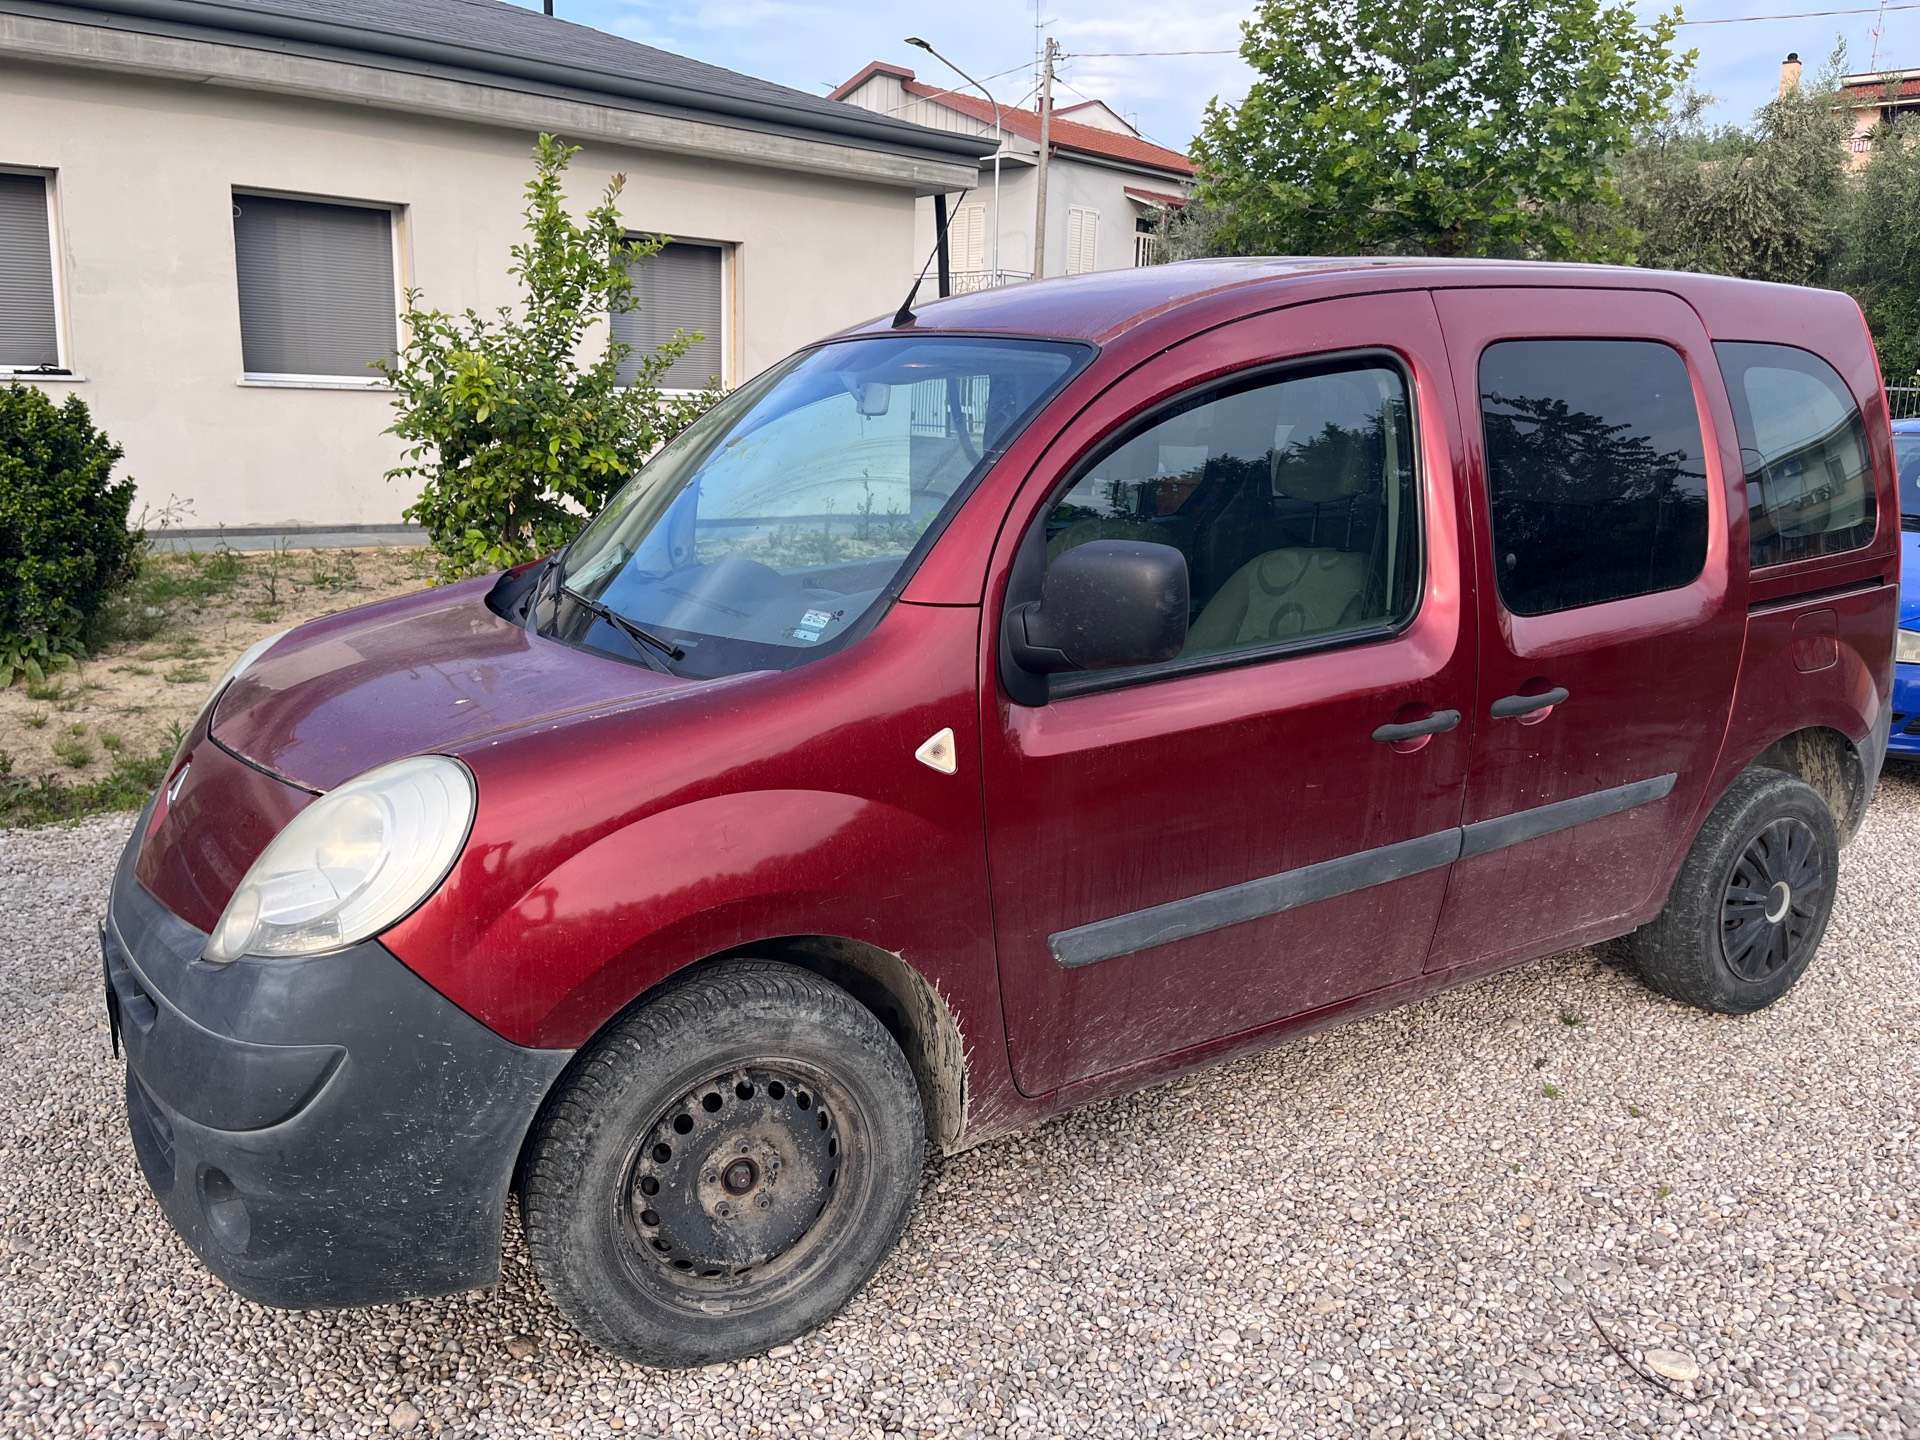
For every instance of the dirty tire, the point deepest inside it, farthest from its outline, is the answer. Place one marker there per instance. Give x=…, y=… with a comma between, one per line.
x=671, y=1183
x=1752, y=900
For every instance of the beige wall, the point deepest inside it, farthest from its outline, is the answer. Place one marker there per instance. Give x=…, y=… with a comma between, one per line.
x=145, y=170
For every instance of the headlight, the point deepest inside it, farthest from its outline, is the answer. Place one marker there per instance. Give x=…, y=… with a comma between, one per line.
x=352, y=863
x=1906, y=647
x=252, y=653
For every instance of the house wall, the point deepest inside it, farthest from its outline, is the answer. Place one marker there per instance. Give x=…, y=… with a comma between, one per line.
x=145, y=172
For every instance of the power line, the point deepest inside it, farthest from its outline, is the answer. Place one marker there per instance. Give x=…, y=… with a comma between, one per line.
x=1723, y=20
x=1798, y=15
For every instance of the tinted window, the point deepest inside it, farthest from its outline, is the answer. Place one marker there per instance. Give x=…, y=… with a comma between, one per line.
x=1809, y=483
x=1291, y=497
x=1595, y=469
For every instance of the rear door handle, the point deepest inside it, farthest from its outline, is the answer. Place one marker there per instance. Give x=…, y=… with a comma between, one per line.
x=1434, y=724
x=1509, y=706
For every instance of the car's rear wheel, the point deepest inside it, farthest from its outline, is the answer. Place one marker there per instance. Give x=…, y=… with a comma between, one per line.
x=724, y=1167
x=1751, y=902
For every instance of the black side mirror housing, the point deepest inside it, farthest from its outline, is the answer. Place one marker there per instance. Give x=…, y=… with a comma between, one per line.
x=1103, y=606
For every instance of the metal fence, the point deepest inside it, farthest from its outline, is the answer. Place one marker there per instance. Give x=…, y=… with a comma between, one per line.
x=1904, y=400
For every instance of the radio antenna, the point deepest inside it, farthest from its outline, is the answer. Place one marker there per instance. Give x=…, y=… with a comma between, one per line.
x=904, y=315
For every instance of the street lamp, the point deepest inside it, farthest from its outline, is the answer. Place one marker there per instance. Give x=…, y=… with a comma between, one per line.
x=999, y=139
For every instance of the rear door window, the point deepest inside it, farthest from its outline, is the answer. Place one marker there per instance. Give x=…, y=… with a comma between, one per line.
x=1809, y=483
x=1596, y=471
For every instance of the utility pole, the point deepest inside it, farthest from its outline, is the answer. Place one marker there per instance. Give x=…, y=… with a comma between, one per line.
x=1040, y=178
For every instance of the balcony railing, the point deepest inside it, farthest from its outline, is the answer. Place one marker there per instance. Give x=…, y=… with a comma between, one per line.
x=965, y=282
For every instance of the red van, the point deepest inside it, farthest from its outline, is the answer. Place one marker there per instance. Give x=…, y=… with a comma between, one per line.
x=987, y=711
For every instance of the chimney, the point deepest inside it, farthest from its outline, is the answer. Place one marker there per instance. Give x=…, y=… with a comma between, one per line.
x=1790, y=75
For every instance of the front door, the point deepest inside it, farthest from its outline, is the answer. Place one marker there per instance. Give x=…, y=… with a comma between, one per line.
x=1190, y=851
x=1600, y=449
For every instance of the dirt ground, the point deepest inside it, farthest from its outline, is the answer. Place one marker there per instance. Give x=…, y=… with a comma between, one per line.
x=182, y=622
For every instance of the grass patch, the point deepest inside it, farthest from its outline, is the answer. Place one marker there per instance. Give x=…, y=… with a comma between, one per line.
x=36, y=721
x=49, y=799
x=1550, y=1090
x=188, y=675
x=164, y=586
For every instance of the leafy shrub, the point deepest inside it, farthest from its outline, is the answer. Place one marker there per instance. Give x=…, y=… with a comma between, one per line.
x=64, y=542
x=513, y=440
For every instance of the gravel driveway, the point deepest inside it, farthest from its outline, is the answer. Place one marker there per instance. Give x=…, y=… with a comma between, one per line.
x=1477, y=1216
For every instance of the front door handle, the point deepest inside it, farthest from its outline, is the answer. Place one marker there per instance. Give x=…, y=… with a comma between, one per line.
x=1434, y=724
x=1509, y=706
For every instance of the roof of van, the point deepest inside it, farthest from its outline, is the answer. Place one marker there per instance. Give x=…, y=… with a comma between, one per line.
x=1106, y=304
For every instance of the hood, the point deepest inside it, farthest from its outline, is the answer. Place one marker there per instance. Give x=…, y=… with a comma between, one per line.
x=1910, y=579
x=403, y=677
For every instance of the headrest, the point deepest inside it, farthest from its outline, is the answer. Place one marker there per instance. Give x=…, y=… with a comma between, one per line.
x=1329, y=466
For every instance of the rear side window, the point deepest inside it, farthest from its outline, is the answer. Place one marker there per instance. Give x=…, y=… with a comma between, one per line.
x=1595, y=469
x=1809, y=484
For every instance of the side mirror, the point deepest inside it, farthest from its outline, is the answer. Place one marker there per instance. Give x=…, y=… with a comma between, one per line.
x=1103, y=605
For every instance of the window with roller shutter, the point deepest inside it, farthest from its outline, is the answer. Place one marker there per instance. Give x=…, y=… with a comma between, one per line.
x=316, y=284
x=29, y=320
x=681, y=288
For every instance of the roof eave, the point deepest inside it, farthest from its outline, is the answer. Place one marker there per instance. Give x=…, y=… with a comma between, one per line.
x=855, y=126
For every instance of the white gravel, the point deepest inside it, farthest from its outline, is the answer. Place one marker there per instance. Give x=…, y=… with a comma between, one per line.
x=1477, y=1216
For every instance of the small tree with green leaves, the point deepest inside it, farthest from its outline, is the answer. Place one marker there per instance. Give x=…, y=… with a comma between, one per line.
x=1404, y=127
x=64, y=543
x=514, y=435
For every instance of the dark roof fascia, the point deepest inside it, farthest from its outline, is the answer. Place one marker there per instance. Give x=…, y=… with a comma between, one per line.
x=321, y=39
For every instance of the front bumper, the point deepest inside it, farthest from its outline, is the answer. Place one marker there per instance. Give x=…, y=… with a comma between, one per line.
x=321, y=1132
x=1905, y=739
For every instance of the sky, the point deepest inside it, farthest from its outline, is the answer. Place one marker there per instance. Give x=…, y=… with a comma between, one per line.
x=813, y=44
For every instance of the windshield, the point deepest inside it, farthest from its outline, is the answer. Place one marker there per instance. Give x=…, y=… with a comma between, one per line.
x=1906, y=454
x=779, y=520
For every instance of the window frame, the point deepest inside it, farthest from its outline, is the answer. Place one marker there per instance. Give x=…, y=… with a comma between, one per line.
x=56, y=275
x=396, y=212
x=1029, y=566
x=1703, y=421
x=729, y=251
x=1737, y=402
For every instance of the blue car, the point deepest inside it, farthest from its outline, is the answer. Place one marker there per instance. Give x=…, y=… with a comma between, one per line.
x=1906, y=673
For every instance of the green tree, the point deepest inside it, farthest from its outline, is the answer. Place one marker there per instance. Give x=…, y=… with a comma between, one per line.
x=1761, y=202
x=513, y=436
x=1398, y=126
x=1877, y=251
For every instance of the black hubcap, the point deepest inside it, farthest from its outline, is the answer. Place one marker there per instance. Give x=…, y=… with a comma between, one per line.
x=732, y=1177
x=1772, y=899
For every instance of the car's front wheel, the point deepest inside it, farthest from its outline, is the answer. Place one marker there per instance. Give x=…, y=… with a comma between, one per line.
x=1751, y=901
x=723, y=1168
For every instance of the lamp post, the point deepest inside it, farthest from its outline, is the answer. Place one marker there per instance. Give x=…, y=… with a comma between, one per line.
x=999, y=137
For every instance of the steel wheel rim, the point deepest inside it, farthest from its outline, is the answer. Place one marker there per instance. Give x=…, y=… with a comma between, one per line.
x=690, y=1201
x=1772, y=900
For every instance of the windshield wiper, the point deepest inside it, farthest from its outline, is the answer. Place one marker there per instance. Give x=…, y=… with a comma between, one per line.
x=1909, y=522
x=620, y=622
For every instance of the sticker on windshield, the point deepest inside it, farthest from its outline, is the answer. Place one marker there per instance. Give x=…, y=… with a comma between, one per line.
x=805, y=636
x=816, y=620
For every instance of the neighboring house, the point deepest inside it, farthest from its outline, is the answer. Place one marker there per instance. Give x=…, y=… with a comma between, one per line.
x=209, y=210
x=1107, y=185
x=1877, y=99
